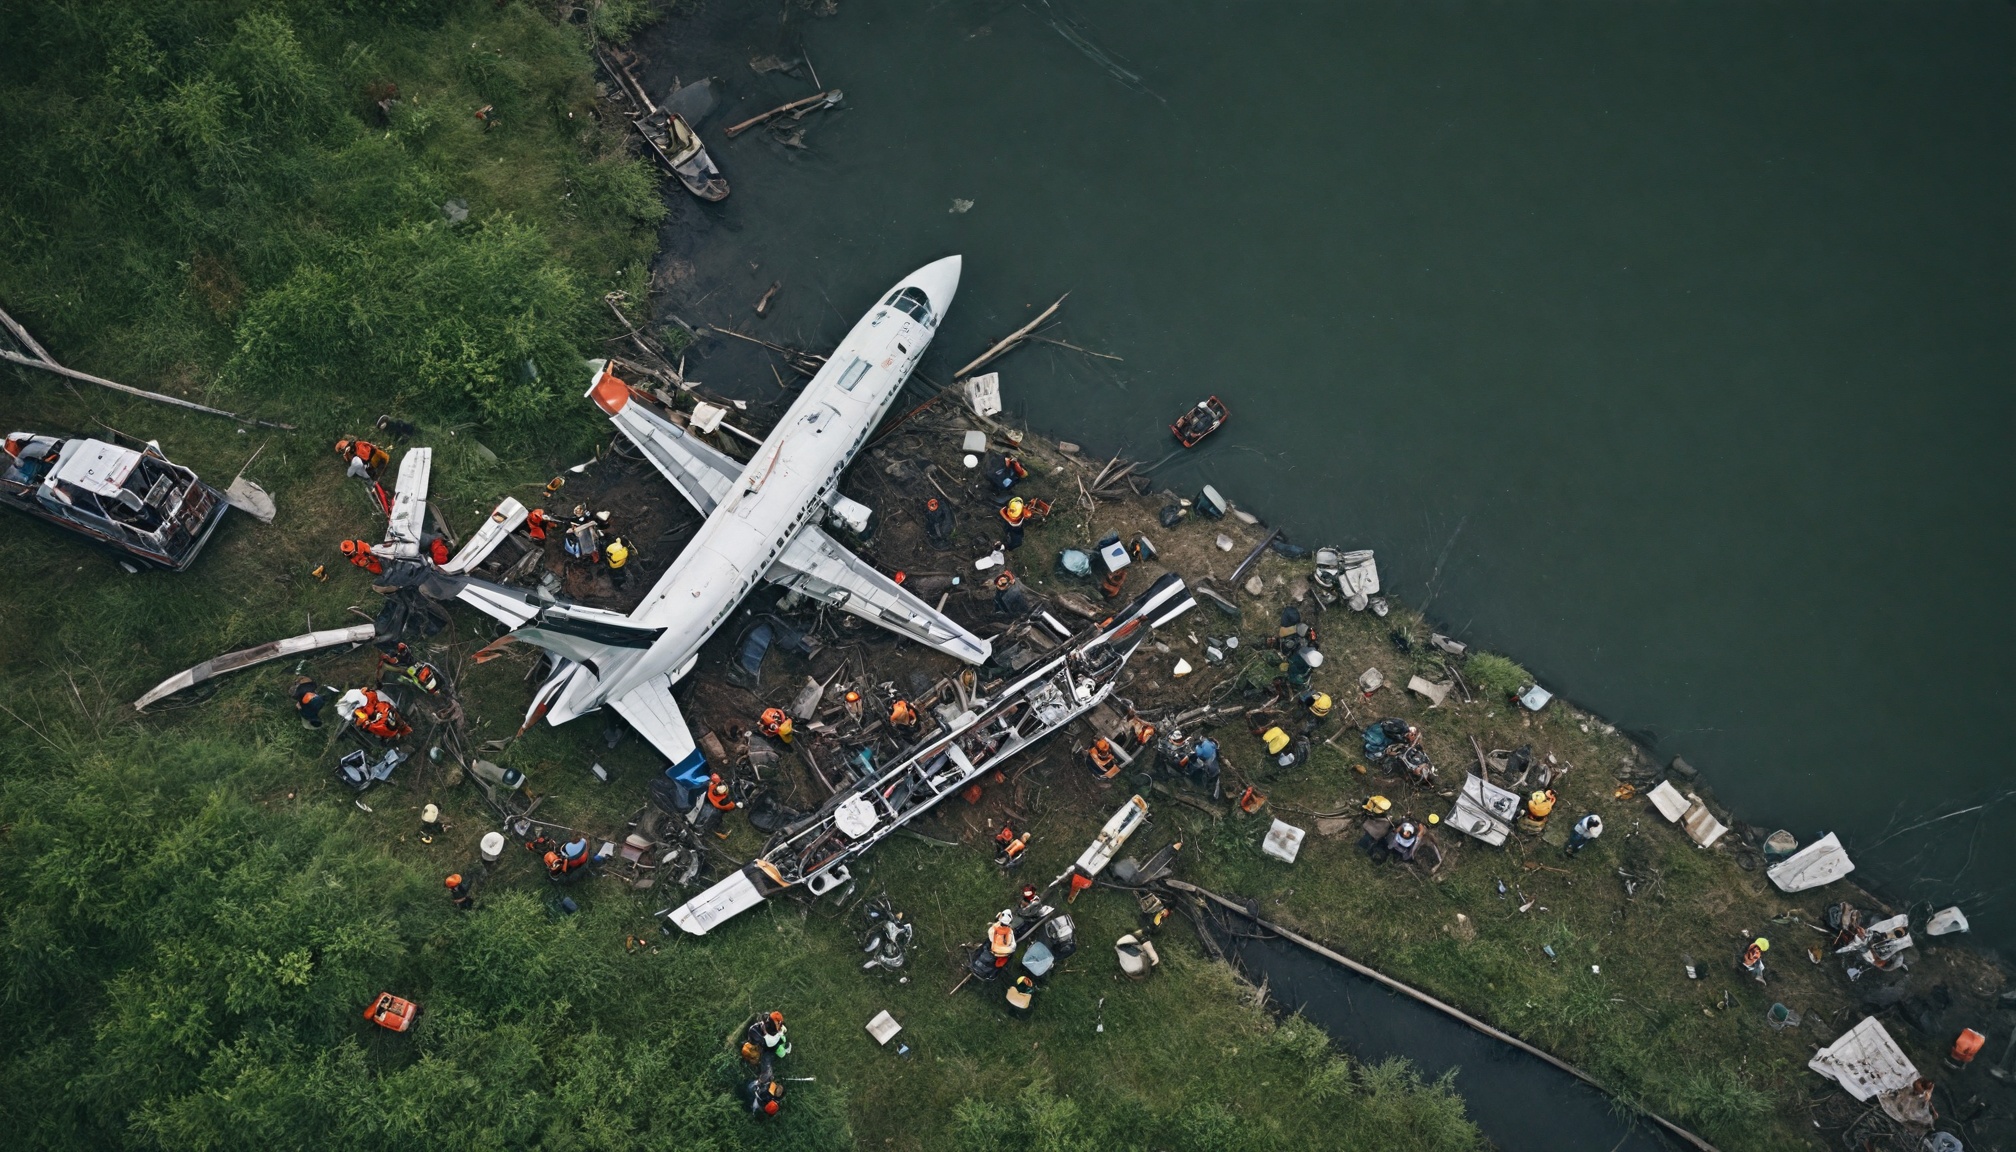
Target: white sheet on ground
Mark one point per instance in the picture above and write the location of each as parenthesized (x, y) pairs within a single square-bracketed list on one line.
[(1865, 1061), (1484, 810), (1821, 862), (1668, 800)]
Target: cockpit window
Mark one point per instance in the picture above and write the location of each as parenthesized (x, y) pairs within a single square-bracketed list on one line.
[(913, 302)]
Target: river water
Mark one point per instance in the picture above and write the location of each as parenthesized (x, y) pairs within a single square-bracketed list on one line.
[(1668, 348)]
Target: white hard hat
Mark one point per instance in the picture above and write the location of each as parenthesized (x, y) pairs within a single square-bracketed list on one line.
[(348, 703), (1312, 657), (1006, 917), (430, 813)]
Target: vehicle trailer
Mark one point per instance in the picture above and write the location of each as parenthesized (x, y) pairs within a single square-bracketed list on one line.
[(137, 503)]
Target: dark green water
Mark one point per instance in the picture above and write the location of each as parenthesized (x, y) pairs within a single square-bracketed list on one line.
[(1666, 347)]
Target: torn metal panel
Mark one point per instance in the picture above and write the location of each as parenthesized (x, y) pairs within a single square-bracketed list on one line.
[(408, 522), (251, 499), (1668, 800), (245, 658), (1700, 823), (1484, 810), (504, 520), (1436, 693)]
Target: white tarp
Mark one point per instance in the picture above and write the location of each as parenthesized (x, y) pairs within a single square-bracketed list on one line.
[(1865, 1061), (1436, 693), (855, 817), (1821, 862), (1671, 804)]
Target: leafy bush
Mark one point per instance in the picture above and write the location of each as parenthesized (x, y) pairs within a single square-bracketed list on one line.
[(1495, 675)]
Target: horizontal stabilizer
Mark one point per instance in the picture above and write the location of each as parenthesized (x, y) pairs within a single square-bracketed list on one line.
[(652, 711), (815, 565), (703, 474)]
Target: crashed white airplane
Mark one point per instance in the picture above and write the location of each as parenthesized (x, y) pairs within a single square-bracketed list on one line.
[(762, 524)]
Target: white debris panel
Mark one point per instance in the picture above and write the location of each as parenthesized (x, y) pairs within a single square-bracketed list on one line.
[(1821, 862), (1865, 1061)]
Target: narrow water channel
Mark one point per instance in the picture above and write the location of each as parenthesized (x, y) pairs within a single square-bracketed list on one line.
[(1521, 1103)]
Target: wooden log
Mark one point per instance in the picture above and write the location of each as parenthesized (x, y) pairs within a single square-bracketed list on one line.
[(22, 335), (763, 305), (86, 377), (737, 129), (1009, 341)]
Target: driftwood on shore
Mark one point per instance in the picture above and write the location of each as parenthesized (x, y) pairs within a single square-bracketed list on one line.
[(1009, 341), (42, 361), (737, 129)]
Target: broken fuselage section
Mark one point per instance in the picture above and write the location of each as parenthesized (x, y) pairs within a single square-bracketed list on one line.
[(135, 502)]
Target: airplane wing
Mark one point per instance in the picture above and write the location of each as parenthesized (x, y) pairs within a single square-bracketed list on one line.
[(509, 606), (655, 715), (816, 565), (702, 474), (409, 504)]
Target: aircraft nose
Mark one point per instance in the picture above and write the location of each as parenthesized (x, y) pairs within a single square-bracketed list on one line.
[(940, 282)]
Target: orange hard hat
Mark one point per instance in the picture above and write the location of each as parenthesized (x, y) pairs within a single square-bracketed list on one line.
[(931, 504), (776, 1017), (349, 547), (343, 445), (852, 696), (1102, 744), (770, 1108), (453, 880)]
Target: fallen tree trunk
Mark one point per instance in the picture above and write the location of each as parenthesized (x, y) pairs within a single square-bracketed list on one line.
[(1010, 341)]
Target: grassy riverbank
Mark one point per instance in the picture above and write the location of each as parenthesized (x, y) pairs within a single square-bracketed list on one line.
[(258, 206)]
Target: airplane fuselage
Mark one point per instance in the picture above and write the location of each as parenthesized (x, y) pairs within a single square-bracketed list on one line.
[(788, 484)]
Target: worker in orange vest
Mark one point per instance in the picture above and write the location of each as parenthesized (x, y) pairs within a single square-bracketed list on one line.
[(1001, 938), (535, 525), (363, 457), (1105, 765), (459, 894), (373, 713), (1144, 732), (717, 793), (1011, 846), (359, 552), (903, 718), (775, 724)]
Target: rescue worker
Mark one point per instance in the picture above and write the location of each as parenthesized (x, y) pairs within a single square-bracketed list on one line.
[(1539, 806), (1201, 764), (767, 1033), (373, 714), (1586, 829), (459, 893), (1301, 666), (570, 858), (1021, 994), (1144, 732), (435, 549), (775, 724), (1001, 938), (430, 823), (364, 459), (1105, 765), (1004, 472), (359, 552), (423, 676), (1009, 599), (903, 718), (938, 524), (718, 793), (1753, 957), (766, 1095), (617, 554), (309, 700), (1028, 906), (1403, 840), (1110, 586), (1016, 513), (535, 525), (1010, 846), (1319, 705)]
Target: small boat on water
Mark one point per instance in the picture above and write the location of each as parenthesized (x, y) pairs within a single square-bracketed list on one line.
[(679, 147), (1207, 417)]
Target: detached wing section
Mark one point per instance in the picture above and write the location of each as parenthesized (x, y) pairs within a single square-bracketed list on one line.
[(702, 474), (817, 566), (409, 504)]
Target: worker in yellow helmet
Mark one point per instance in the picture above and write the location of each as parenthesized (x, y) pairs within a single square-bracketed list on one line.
[(1753, 957), (617, 554)]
